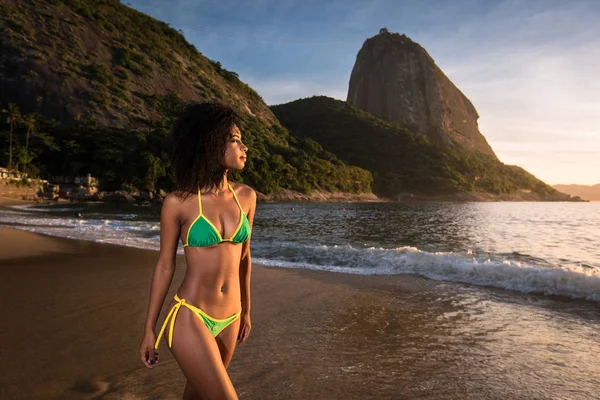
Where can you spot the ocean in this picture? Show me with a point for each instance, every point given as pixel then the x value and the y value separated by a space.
pixel 548 248
pixel 464 300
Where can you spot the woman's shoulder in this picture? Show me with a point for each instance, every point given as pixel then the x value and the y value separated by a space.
pixel 175 199
pixel 244 191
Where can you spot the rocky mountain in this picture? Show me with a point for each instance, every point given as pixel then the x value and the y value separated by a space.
pixel 79 61
pixel 395 79
pixel 405 164
pixel 587 192
pixel 94 87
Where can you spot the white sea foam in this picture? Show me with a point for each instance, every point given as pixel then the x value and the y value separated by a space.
pixel 140 234
pixel 574 281
pixel 512 271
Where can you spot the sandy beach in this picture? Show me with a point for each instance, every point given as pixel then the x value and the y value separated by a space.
pixel 73 314
pixel 76 311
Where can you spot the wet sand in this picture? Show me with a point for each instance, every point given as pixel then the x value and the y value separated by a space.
pixel 73 314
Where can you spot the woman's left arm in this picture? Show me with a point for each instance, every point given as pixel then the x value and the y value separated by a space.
pixel 245 273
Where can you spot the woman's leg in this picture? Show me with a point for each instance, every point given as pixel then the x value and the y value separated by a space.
pixel 226 340
pixel 198 356
pixel 189 393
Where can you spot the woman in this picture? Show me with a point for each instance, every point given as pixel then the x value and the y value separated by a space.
pixel 213 218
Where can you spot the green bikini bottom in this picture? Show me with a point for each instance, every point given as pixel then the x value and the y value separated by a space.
pixel 214 325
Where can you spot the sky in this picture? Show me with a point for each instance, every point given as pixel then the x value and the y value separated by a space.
pixel 530 67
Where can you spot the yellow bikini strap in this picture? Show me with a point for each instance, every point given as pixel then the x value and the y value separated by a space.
pixel 199 203
pixel 235 197
pixel 170 318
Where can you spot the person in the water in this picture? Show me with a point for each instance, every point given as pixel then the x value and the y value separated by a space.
pixel 213 218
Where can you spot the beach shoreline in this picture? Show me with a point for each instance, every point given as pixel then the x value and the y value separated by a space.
pixel 77 309
pixel 317 196
pixel 81 342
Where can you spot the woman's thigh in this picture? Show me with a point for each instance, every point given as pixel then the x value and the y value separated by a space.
pixel 189 393
pixel 227 340
pixel 199 358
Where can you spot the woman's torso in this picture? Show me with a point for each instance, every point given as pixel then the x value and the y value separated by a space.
pixel 212 281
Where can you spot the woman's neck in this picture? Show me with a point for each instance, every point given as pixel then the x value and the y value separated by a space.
pixel 219 189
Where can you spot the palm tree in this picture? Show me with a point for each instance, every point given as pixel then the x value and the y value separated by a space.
pixel 14 116
pixel 30 124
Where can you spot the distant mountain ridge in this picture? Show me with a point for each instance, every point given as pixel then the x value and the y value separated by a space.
pixel 106 83
pixel 404 163
pixel 587 192
pixel 102 84
pixel 101 61
pixel 396 79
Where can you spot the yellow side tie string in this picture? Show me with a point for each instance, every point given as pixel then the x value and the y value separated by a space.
pixel 176 307
pixel 170 316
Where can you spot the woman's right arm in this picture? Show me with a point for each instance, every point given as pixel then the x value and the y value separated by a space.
pixel 170 229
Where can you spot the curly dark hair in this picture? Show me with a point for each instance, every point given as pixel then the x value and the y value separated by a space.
pixel 199 141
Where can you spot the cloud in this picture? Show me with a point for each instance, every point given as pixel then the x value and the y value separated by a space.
pixel 532 76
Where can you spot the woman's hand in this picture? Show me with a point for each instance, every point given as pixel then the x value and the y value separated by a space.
pixel 148 355
pixel 245 327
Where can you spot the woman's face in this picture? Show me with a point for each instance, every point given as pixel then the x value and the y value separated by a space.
pixel 235 151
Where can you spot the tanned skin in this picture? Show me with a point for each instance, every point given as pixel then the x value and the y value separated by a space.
pixel 217 280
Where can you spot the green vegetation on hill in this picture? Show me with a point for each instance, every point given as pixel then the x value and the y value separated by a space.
pixel 139 159
pixel 77 60
pixel 400 161
pixel 277 159
pixel 103 84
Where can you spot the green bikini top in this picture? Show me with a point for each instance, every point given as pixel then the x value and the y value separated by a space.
pixel 202 233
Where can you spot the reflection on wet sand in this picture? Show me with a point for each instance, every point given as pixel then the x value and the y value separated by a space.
pixel 456 342
pixel 316 335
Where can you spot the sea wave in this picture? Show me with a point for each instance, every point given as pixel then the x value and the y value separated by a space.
pixel 575 281
pixel 512 271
